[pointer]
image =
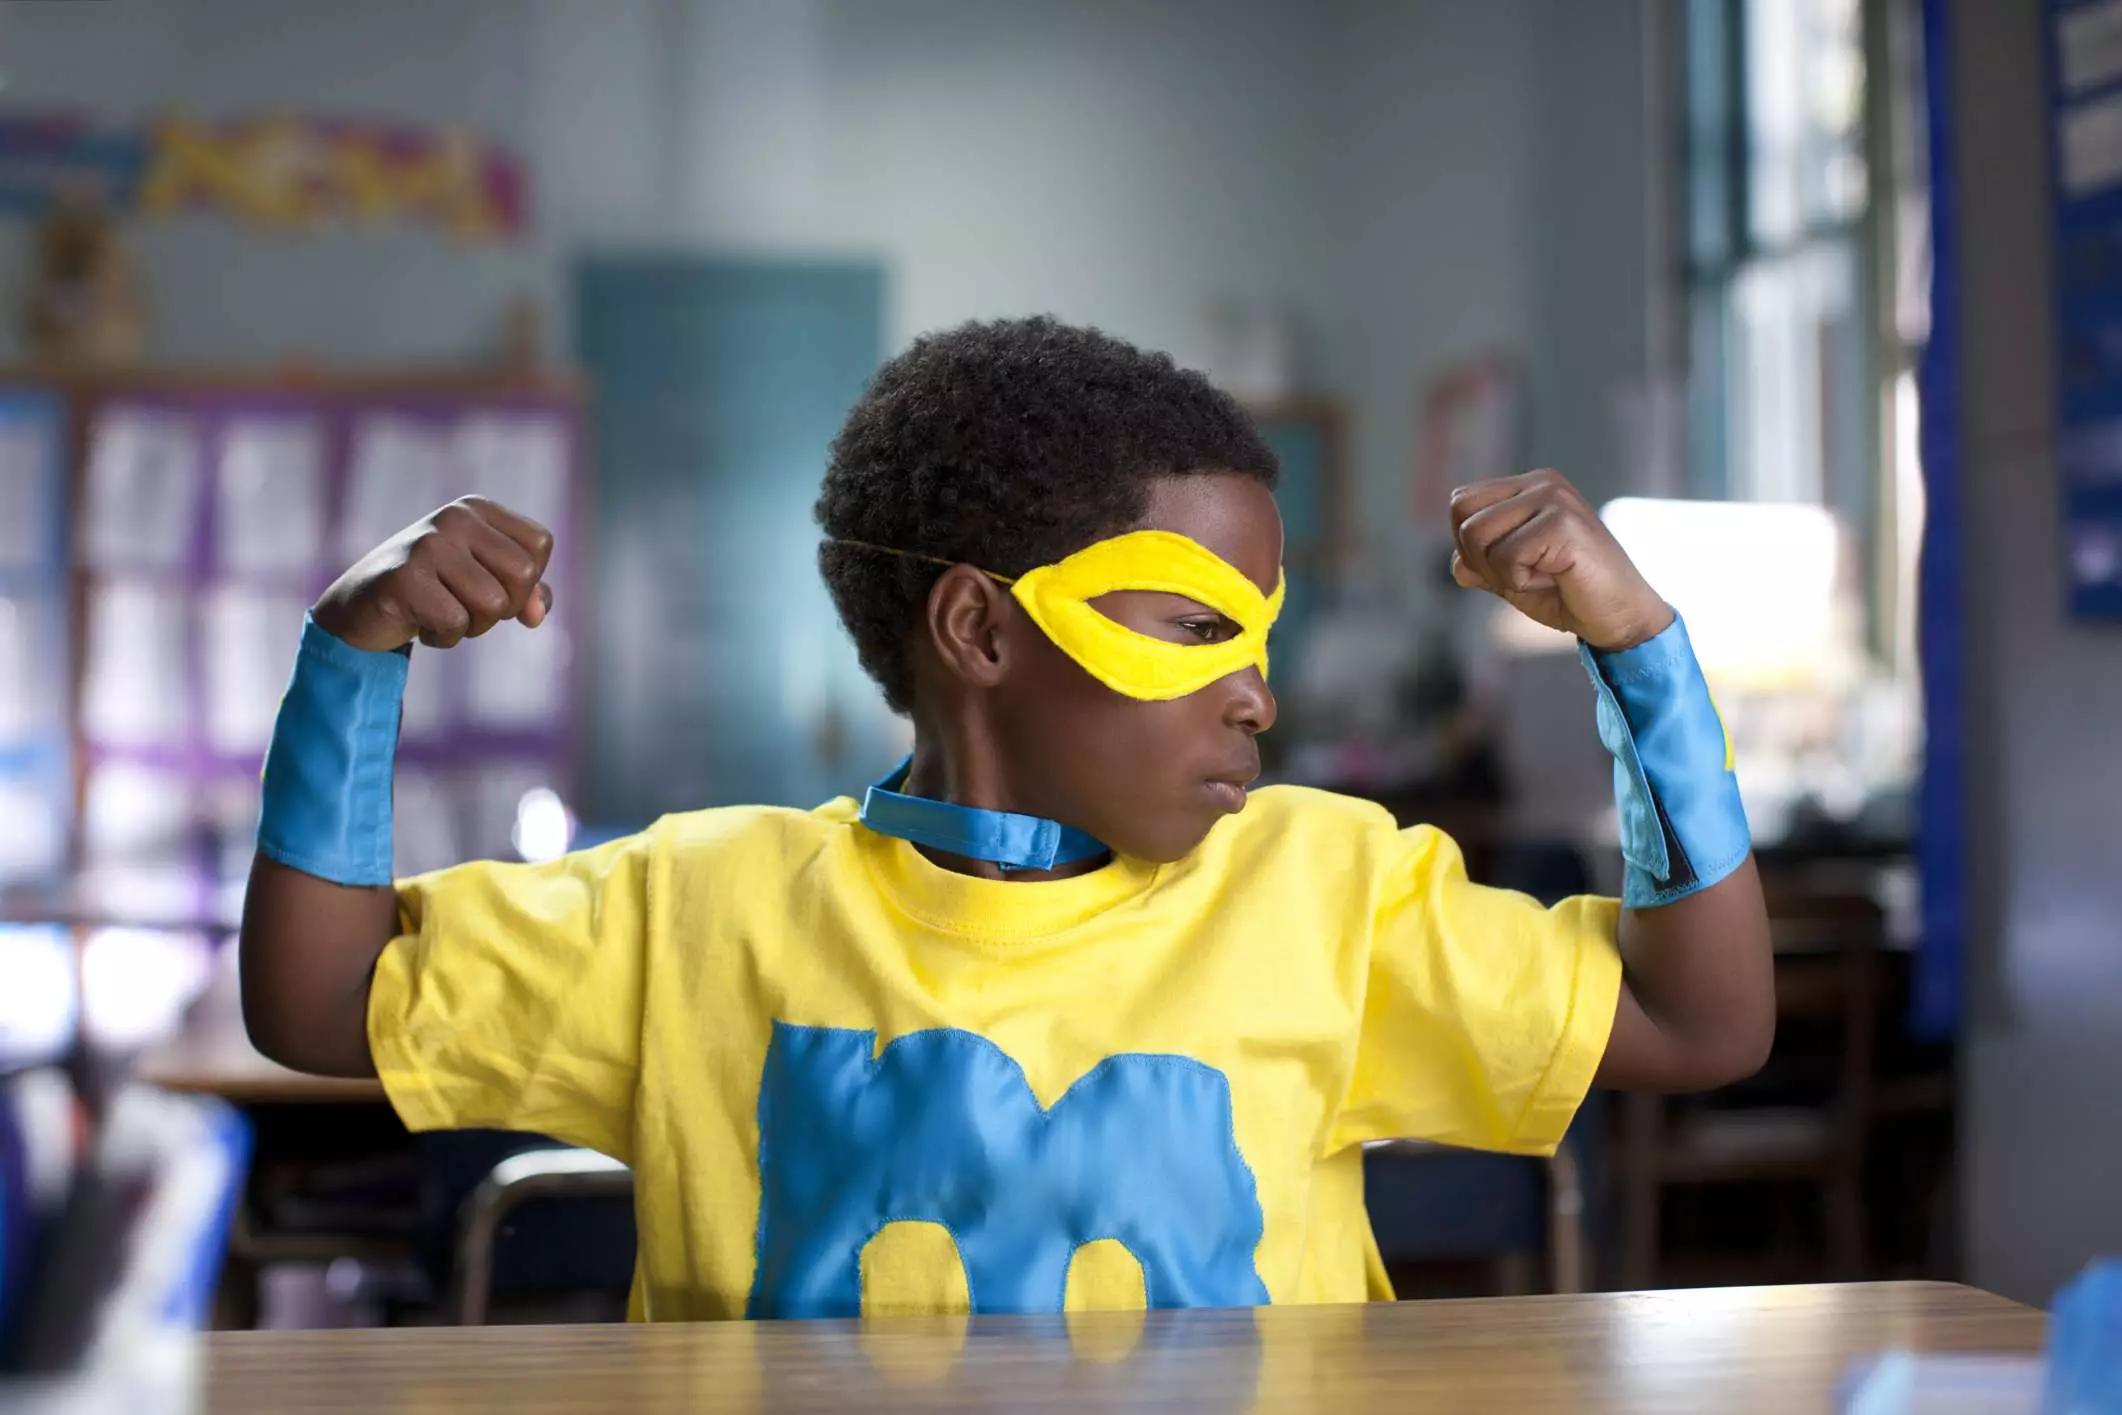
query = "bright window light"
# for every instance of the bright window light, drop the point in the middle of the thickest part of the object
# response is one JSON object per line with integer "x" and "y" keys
{"x": 543, "y": 826}
{"x": 136, "y": 983}
{"x": 36, "y": 993}
{"x": 1760, "y": 584}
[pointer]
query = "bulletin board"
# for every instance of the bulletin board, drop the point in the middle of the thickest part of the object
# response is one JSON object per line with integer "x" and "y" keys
{"x": 206, "y": 515}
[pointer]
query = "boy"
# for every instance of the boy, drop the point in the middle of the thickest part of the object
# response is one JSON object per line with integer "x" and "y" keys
{"x": 1057, "y": 1018}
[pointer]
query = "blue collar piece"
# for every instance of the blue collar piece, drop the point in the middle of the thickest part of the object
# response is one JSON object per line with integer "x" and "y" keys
{"x": 999, "y": 837}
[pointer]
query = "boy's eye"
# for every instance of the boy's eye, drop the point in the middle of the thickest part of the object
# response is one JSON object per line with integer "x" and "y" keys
{"x": 1210, "y": 631}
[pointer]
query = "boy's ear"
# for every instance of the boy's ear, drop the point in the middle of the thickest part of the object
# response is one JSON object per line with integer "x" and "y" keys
{"x": 968, "y": 614}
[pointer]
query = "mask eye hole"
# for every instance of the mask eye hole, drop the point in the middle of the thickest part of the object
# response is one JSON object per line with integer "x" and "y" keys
{"x": 1211, "y": 628}
{"x": 1171, "y": 618}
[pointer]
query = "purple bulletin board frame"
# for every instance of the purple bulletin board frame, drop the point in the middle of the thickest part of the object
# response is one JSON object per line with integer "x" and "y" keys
{"x": 339, "y": 407}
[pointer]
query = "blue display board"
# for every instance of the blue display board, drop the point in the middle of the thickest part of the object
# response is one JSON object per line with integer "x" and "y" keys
{"x": 2085, "y": 110}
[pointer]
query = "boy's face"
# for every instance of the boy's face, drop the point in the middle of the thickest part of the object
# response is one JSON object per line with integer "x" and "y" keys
{"x": 1147, "y": 778}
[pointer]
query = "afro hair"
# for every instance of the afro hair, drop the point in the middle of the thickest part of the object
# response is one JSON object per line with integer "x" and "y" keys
{"x": 1005, "y": 445}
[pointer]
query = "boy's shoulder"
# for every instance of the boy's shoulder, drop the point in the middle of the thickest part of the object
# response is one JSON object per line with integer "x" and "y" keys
{"x": 1316, "y": 852}
{"x": 751, "y": 831}
{"x": 1276, "y": 810}
{"x": 1290, "y": 825}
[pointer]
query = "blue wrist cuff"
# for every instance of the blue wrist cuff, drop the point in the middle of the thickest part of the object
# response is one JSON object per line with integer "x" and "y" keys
{"x": 1682, "y": 825}
{"x": 326, "y": 807}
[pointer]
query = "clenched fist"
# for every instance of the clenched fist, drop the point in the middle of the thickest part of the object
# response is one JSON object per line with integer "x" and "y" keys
{"x": 1537, "y": 544}
{"x": 441, "y": 580}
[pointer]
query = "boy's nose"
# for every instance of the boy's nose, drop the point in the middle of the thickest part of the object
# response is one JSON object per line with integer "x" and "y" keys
{"x": 1251, "y": 707}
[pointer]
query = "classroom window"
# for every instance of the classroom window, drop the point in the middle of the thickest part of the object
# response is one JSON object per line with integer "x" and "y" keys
{"x": 1803, "y": 191}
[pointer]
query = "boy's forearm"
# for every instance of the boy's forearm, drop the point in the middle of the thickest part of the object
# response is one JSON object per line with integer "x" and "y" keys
{"x": 308, "y": 950}
{"x": 1698, "y": 998}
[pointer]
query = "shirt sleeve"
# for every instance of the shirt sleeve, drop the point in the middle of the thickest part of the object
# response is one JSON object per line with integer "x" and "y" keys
{"x": 512, "y": 998}
{"x": 1485, "y": 1014}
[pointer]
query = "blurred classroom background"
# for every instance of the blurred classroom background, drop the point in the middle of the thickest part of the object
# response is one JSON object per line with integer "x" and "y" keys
{"x": 284, "y": 278}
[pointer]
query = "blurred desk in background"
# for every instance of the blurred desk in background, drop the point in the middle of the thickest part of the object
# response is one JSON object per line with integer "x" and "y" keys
{"x": 1851, "y": 1117}
{"x": 334, "y": 1174}
{"x": 210, "y": 1053}
{"x": 214, "y": 1058}
{"x": 1731, "y": 1349}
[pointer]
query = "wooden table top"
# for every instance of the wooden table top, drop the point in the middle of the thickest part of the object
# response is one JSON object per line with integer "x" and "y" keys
{"x": 1715, "y": 1350}
{"x": 241, "y": 1075}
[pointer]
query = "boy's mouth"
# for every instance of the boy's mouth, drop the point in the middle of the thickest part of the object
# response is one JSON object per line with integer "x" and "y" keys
{"x": 1227, "y": 789}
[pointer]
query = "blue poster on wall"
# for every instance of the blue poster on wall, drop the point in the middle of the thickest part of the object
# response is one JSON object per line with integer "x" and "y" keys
{"x": 719, "y": 672}
{"x": 2085, "y": 106}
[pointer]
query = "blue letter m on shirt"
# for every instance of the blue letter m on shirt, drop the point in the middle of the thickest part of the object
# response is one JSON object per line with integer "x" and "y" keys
{"x": 943, "y": 1128}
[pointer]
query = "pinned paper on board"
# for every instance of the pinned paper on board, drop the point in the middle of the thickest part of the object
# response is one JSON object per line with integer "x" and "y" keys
{"x": 269, "y": 505}
{"x": 135, "y": 688}
{"x": 28, "y": 515}
{"x": 517, "y": 459}
{"x": 400, "y": 466}
{"x": 249, "y": 656}
{"x": 514, "y": 678}
{"x": 143, "y": 490}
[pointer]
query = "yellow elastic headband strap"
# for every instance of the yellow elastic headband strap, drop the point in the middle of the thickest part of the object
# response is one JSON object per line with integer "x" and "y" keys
{"x": 917, "y": 555}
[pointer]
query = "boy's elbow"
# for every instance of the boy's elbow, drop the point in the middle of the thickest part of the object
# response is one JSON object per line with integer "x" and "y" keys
{"x": 1707, "y": 1056}
{"x": 1755, "y": 1054}
{"x": 322, "y": 1045}
{"x": 1740, "y": 1052}
{"x": 266, "y": 1041}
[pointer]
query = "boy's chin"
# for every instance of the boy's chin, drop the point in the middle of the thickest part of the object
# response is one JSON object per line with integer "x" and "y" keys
{"x": 1166, "y": 846}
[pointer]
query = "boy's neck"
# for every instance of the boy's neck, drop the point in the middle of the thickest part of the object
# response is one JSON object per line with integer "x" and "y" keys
{"x": 973, "y": 777}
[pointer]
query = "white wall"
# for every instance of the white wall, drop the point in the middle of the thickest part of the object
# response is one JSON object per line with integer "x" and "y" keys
{"x": 1116, "y": 162}
{"x": 1412, "y": 181}
{"x": 1489, "y": 167}
{"x": 1590, "y": 169}
{"x": 2043, "y": 1114}
{"x": 1434, "y": 112}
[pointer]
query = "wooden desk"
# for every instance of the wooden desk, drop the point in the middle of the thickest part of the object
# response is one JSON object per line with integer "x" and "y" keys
{"x": 300, "y": 1125}
{"x": 223, "y": 1063}
{"x": 1768, "y": 1349}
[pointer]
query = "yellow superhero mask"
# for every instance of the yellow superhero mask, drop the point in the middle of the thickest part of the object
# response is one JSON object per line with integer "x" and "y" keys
{"x": 1059, "y": 598}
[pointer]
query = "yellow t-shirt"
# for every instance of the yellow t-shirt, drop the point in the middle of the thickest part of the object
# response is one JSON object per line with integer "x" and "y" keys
{"x": 848, "y": 1081}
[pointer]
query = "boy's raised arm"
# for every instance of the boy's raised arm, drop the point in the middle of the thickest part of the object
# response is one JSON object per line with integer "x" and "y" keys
{"x": 1697, "y": 1003}
{"x": 320, "y": 907}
